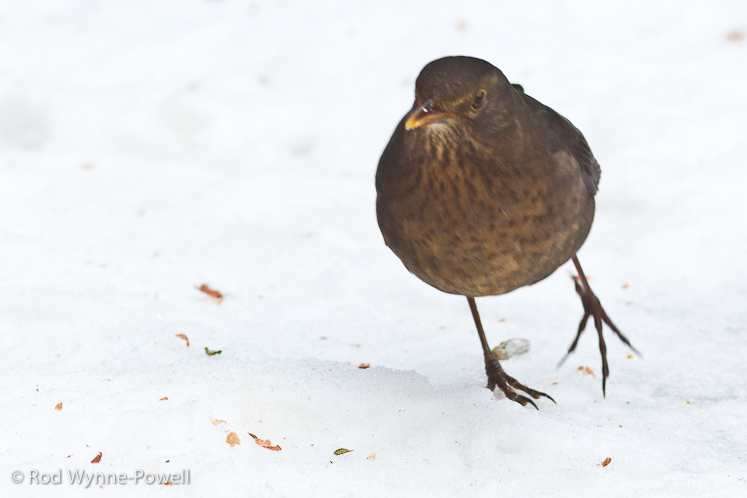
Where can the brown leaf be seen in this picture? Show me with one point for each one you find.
(233, 439)
(97, 458)
(372, 456)
(265, 443)
(342, 451)
(606, 461)
(210, 292)
(168, 483)
(58, 407)
(216, 422)
(164, 399)
(182, 336)
(364, 366)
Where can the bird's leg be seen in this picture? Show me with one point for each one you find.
(592, 307)
(496, 375)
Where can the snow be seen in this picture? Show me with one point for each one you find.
(149, 147)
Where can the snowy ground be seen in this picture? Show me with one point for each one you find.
(148, 147)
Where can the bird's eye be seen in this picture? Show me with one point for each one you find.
(479, 100)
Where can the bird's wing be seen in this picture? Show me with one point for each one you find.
(568, 137)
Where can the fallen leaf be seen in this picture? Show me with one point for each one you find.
(606, 461)
(265, 443)
(342, 451)
(164, 399)
(211, 352)
(210, 292)
(372, 456)
(364, 366)
(233, 439)
(168, 483)
(630, 356)
(216, 422)
(97, 458)
(58, 407)
(182, 336)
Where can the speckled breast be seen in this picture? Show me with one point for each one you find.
(469, 226)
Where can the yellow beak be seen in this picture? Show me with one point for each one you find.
(425, 115)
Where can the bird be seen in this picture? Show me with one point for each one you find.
(482, 190)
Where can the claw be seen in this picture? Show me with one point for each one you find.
(496, 376)
(593, 308)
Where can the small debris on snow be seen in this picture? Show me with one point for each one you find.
(58, 407)
(265, 443)
(735, 36)
(511, 347)
(342, 451)
(233, 439)
(210, 292)
(210, 352)
(97, 458)
(587, 371)
(182, 336)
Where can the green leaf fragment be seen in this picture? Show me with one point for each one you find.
(341, 451)
(210, 352)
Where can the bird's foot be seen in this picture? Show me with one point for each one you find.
(593, 308)
(497, 377)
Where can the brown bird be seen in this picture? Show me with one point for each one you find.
(482, 190)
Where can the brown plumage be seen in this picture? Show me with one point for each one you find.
(482, 190)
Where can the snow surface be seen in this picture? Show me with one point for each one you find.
(150, 146)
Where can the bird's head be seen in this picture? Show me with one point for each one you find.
(455, 91)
